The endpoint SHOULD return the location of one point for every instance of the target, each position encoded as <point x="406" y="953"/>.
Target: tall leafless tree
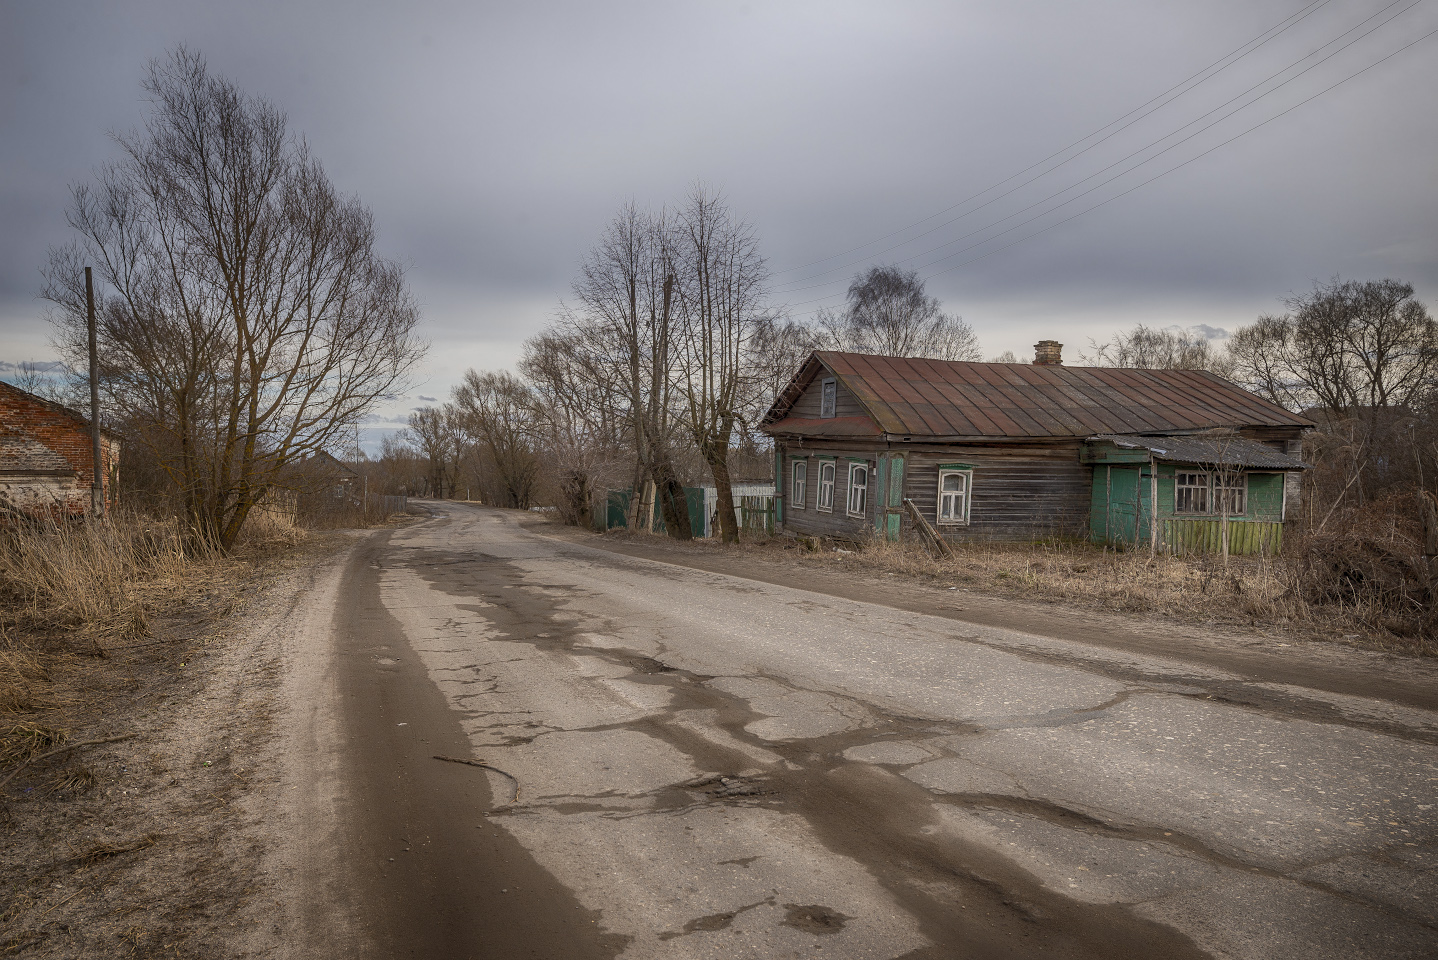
<point x="1346" y="346"/>
<point x="576" y="416"/>
<point x="1362" y="358"/>
<point x="496" y="413"/>
<point x="245" y="314"/>
<point x="623" y="309"/>
<point x="723" y="317"/>
<point x="432" y="431"/>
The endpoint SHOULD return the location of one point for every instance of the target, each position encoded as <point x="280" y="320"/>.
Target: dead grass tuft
<point x="73" y="782"/>
<point x="24" y="741"/>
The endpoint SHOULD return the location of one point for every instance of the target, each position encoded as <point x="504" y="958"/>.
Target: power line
<point x="1237" y="54"/>
<point x="1185" y="163"/>
<point x="1165" y="150"/>
<point x="1140" y="150"/>
<point x="1153" y="157"/>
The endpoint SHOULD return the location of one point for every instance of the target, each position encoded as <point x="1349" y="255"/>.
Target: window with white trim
<point x="1230" y="493"/>
<point x="954" y="487"/>
<point x="800" y="483"/>
<point x="826" y="486"/>
<point x="828" y="397"/>
<point x="858" y="489"/>
<point x="1190" y="491"/>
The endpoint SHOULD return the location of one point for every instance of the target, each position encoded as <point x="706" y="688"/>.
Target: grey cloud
<point x="494" y="141"/>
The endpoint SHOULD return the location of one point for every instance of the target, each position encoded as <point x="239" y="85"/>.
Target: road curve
<point x="668" y="762"/>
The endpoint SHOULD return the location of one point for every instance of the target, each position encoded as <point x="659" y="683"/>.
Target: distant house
<point x="46" y="457"/>
<point x="1014" y="451"/>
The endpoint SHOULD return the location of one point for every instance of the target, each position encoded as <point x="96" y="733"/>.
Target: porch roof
<point x="1226" y="451"/>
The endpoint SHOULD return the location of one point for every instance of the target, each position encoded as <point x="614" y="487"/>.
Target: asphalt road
<point x="683" y="763"/>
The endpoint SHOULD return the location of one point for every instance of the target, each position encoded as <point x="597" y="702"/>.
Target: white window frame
<point x="798" y="483"/>
<point x="968" y="476"/>
<point x="822" y="503"/>
<point x="1241" y="488"/>
<point x="862" y="489"/>
<point x="1206" y="487"/>
<point x="828" y="398"/>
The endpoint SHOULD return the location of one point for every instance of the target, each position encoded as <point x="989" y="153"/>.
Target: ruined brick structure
<point x="45" y="457"/>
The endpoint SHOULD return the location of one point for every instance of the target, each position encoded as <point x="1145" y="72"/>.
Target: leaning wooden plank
<point x="927" y="533"/>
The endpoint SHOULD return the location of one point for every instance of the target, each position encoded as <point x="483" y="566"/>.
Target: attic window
<point x="828" y="397"/>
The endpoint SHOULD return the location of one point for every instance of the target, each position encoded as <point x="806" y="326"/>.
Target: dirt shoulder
<point x="1260" y="654"/>
<point x="156" y="844"/>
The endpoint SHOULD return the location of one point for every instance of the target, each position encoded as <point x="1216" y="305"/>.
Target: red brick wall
<point x="64" y="432"/>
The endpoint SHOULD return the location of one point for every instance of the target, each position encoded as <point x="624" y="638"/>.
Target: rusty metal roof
<point x="917" y="397"/>
<point x="1227" y="451"/>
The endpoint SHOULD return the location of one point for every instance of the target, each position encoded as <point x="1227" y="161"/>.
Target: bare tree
<point x="433" y="432"/>
<point x="889" y="313"/>
<point x="246" y="315"/>
<point x="722" y="317"/>
<point x="623" y="310"/>
<point x="576" y="417"/>
<point x="1344" y="347"/>
<point x="1146" y="348"/>
<point x="496" y="413"/>
<point x="1362" y="359"/>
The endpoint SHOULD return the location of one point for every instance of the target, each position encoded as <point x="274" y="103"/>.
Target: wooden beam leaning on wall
<point x="932" y="540"/>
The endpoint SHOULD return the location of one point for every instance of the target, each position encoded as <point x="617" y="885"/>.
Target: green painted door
<point x="888" y="495"/>
<point x="1123" y="504"/>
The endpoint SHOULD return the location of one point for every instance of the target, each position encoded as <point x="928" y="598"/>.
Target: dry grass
<point x="96" y="582"/>
<point x="1262" y="592"/>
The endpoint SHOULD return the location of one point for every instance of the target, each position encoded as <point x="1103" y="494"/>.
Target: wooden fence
<point x="1206" y="536"/>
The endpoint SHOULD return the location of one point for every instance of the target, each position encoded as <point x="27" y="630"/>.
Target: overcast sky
<point x="494" y="141"/>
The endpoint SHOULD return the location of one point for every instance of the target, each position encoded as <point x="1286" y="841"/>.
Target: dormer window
<point x="828" y="396"/>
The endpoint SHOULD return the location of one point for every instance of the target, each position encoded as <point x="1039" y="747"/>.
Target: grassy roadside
<point x="1288" y="596"/>
<point x="119" y="844"/>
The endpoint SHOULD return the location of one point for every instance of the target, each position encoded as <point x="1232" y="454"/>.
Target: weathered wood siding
<point x="810" y="520"/>
<point x="1020" y="492"/>
<point x="808" y="404"/>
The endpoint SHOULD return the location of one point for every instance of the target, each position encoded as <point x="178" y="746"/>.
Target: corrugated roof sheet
<point x="1216" y="451"/>
<point x="917" y="397"/>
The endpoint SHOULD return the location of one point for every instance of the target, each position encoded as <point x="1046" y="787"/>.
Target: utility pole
<point x="97" y="487"/>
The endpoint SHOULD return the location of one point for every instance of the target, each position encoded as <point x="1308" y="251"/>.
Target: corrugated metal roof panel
<point x="920" y="397"/>
<point x="1227" y="451"/>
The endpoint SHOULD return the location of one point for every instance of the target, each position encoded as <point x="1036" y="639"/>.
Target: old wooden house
<point x="1016" y="451"/>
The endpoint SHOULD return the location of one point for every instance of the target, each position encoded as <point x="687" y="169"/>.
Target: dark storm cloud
<point x="494" y="141"/>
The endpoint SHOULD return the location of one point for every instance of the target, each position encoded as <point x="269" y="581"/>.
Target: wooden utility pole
<point x="97" y="487"/>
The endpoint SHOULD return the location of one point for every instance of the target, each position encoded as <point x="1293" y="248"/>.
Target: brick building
<point x="45" y="457"/>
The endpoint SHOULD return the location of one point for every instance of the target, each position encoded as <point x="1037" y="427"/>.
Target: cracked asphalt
<point x="674" y="762"/>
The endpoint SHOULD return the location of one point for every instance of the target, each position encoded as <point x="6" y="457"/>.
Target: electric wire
<point x="1238" y="54"/>
<point x="1136" y="166"/>
<point x="1151" y="144"/>
<point x="1184" y="163"/>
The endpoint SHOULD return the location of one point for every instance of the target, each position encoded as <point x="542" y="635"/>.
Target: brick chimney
<point x="1048" y="353"/>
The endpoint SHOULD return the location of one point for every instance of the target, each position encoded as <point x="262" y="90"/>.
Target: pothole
<point x="729" y="788"/>
<point x="646" y="665"/>
<point x="814" y="918"/>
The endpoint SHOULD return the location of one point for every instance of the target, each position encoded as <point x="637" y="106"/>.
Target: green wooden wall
<point x="1120" y="511"/>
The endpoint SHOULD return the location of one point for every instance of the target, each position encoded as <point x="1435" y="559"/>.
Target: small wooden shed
<point x="1016" y="451"/>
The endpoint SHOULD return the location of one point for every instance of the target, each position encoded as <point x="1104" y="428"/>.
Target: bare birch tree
<point x="889" y="313"/>
<point x="244" y="313"/>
